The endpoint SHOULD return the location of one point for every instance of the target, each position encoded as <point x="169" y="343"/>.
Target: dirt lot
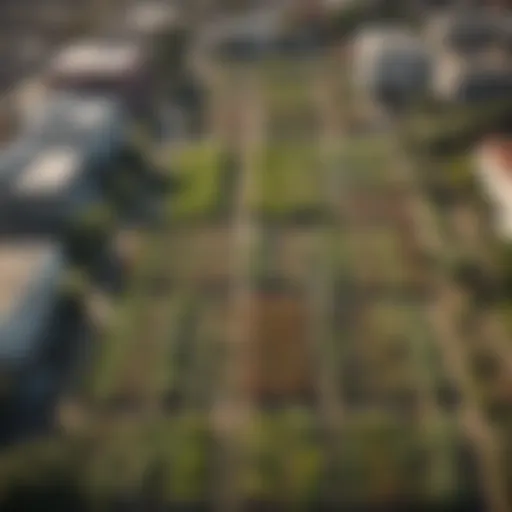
<point x="281" y="368"/>
<point x="201" y="256"/>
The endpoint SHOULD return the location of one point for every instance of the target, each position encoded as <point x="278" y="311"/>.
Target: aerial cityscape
<point x="256" y="255"/>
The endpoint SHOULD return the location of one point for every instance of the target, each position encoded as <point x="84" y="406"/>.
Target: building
<point x="494" y="172"/>
<point x="54" y="187"/>
<point x="30" y="279"/>
<point x="98" y="126"/>
<point x="463" y="79"/>
<point x="244" y="36"/>
<point x="390" y="63"/>
<point x="149" y="18"/>
<point x="467" y="31"/>
<point x="103" y="67"/>
<point x="59" y="167"/>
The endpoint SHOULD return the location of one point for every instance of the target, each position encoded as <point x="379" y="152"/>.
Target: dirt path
<point x="232" y="407"/>
<point x="323" y="289"/>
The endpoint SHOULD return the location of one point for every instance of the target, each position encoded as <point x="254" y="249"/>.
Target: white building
<point x="494" y="171"/>
<point x="96" y="57"/>
<point x="390" y="60"/>
<point x="30" y="277"/>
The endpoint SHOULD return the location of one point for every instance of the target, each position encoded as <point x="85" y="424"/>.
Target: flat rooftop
<point x="49" y="172"/>
<point x="75" y="111"/>
<point x="96" y="57"/>
<point x="20" y="263"/>
<point x="150" y="17"/>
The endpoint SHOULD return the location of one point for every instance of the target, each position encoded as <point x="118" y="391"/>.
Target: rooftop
<point x="72" y="120"/>
<point x="50" y="172"/>
<point x="150" y="16"/>
<point x="102" y="57"/>
<point x="19" y="262"/>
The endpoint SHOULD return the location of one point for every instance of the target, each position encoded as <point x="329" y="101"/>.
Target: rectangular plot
<point x="200" y="256"/>
<point x="282" y="366"/>
<point x="285" y="460"/>
<point x="378" y="364"/>
<point x="290" y="183"/>
<point x="287" y="254"/>
<point x="395" y="465"/>
<point x="201" y="173"/>
<point x="377" y="257"/>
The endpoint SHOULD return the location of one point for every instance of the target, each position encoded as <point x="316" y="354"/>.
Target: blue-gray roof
<point x="30" y="276"/>
<point x="69" y="119"/>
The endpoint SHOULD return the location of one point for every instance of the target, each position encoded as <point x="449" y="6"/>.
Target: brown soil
<point x="202" y="256"/>
<point x="375" y="207"/>
<point x="281" y="368"/>
<point x="294" y="253"/>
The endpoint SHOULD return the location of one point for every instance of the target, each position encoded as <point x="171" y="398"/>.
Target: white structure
<point x="494" y="171"/>
<point x="149" y="17"/>
<point x="30" y="276"/>
<point x="96" y="57"/>
<point x="53" y="170"/>
<point x="390" y="60"/>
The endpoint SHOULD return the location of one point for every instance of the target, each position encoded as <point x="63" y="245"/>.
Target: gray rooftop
<point x="71" y="119"/>
<point x="29" y="276"/>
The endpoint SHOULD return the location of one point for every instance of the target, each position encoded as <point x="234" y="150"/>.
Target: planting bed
<point x="205" y="179"/>
<point x="281" y="367"/>
<point x="389" y="464"/>
<point x="387" y="357"/>
<point x="287" y="254"/>
<point x="285" y="461"/>
<point x="200" y="256"/>
<point x="289" y="183"/>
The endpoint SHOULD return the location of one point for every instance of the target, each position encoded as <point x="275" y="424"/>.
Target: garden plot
<point x="371" y="162"/>
<point x="382" y="349"/>
<point x="377" y="256"/>
<point x="200" y="256"/>
<point x="373" y="207"/>
<point x="190" y="369"/>
<point x="132" y="321"/>
<point x="289" y="184"/>
<point x="291" y="109"/>
<point x="388" y="464"/>
<point x="285" y="462"/>
<point x="125" y="374"/>
<point x="281" y="369"/>
<point x="205" y="181"/>
<point x="171" y="459"/>
<point x="287" y="255"/>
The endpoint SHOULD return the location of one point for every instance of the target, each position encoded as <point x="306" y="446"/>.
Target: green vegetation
<point x="290" y="183"/>
<point x="285" y="459"/>
<point x="201" y="171"/>
<point x="455" y="128"/>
